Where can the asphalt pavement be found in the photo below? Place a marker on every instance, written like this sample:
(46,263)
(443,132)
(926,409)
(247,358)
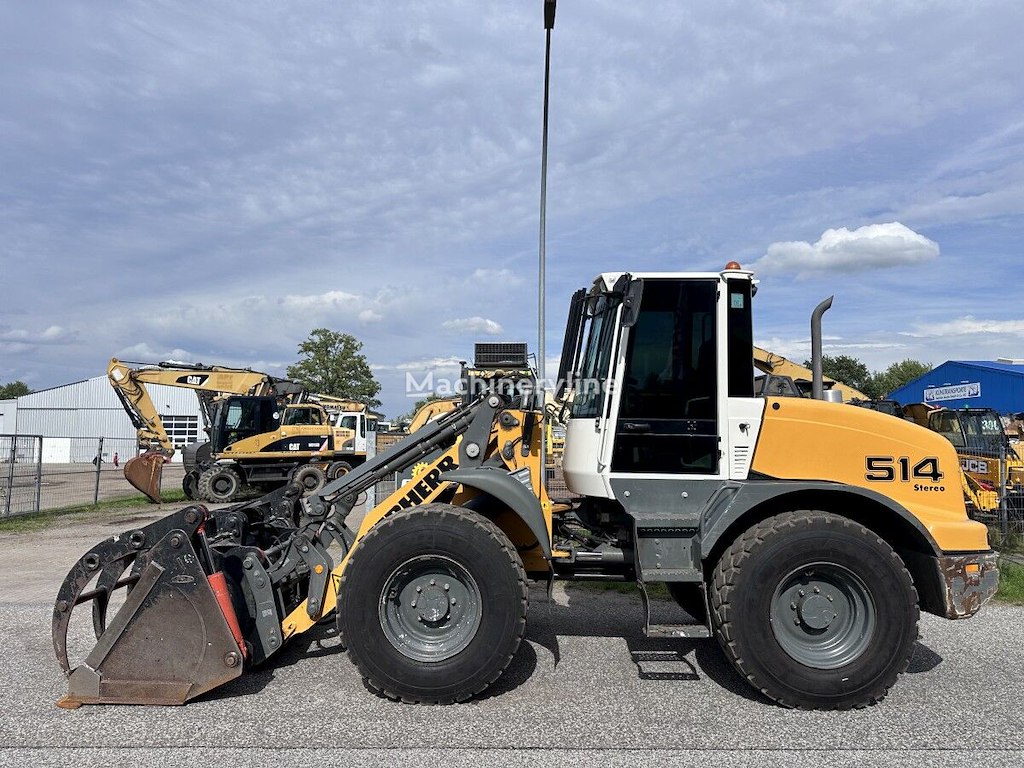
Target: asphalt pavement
(585,688)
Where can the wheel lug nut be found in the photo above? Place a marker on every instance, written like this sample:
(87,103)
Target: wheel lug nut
(796,621)
(792,606)
(419,589)
(413,603)
(453,601)
(817,591)
(447,587)
(432,582)
(829,598)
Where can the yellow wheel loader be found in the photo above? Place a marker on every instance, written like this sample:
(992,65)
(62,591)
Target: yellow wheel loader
(264,431)
(804,536)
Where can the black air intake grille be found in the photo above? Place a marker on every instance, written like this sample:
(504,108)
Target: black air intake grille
(500,355)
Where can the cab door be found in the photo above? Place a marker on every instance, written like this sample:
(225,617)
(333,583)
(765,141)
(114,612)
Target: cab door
(668,415)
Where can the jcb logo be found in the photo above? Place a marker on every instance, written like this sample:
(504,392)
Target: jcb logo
(979,466)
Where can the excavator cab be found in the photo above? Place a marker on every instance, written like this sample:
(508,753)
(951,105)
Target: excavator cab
(241,417)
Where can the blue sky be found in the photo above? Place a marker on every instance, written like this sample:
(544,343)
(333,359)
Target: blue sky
(210,182)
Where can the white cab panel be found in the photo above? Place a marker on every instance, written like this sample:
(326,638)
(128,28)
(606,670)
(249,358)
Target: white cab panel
(745,415)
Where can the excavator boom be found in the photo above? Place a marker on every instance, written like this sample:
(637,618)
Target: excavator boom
(129,381)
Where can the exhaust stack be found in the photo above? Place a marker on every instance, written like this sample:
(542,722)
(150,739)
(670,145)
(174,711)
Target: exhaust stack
(817,385)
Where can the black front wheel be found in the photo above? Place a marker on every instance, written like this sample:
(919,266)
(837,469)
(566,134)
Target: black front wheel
(190,484)
(815,611)
(432,604)
(219,484)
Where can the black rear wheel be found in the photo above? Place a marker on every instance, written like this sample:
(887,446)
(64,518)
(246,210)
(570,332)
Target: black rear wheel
(689,597)
(815,611)
(432,604)
(310,477)
(337,469)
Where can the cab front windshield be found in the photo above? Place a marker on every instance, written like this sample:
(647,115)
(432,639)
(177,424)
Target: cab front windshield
(591,380)
(983,431)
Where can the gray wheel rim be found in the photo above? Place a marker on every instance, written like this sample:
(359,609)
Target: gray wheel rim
(430,608)
(310,481)
(222,484)
(823,615)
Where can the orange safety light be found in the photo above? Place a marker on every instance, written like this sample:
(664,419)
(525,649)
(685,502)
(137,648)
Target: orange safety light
(732,265)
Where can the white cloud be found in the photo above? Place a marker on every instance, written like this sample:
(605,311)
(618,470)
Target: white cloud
(144,353)
(54,334)
(426,364)
(369,316)
(841,250)
(492,276)
(475,324)
(968,326)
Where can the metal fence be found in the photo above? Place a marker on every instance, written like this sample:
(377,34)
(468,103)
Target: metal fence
(44,473)
(996,477)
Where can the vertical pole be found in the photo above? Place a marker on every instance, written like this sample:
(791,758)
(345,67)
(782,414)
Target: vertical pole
(10,475)
(39,471)
(1004,518)
(549,24)
(99,463)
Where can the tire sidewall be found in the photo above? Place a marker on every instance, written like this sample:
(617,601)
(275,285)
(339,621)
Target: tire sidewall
(379,554)
(309,470)
(206,482)
(886,583)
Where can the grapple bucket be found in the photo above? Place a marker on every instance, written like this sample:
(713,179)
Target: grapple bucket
(144,472)
(173,638)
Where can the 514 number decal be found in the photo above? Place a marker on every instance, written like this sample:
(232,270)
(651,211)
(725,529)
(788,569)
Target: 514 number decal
(884,469)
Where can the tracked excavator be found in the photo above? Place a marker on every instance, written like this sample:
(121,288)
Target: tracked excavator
(264,430)
(804,536)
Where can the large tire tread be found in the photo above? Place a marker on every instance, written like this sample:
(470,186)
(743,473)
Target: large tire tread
(735,559)
(384,529)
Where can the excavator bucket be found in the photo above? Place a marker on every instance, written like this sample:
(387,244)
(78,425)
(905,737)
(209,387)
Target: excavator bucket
(144,472)
(174,637)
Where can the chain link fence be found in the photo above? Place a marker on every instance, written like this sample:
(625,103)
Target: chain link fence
(46,473)
(996,483)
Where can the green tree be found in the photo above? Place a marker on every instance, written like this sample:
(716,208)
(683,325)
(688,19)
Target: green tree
(845,370)
(14,389)
(896,375)
(332,364)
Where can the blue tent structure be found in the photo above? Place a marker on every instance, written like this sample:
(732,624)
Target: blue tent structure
(968,383)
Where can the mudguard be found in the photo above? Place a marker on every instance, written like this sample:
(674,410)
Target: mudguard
(509,491)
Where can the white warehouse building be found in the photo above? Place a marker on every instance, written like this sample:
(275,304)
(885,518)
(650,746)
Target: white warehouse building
(76,414)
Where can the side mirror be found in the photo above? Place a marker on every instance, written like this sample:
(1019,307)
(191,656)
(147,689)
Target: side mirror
(631,303)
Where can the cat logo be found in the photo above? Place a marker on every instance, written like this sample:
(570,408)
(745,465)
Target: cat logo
(193,379)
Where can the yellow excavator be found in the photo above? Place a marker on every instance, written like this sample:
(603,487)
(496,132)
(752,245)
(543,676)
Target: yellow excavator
(805,536)
(264,430)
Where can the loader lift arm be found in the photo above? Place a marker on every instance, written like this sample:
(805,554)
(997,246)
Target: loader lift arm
(273,549)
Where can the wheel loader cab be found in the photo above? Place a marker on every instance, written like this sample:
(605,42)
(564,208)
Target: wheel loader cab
(663,383)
